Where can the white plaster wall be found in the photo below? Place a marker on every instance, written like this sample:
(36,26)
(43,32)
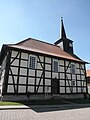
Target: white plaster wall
(24,63)
(48,74)
(40,89)
(68,76)
(78,77)
(31,72)
(39,66)
(78,83)
(31,88)
(47,82)
(10,89)
(23,71)
(68,89)
(14,53)
(61,62)
(37,81)
(22,80)
(15,62)
(74,77)
(74,89)
(67,63)
(14,70)
(61,69)
(24,56)
(47,67)
(68,83)
(31,81)
(62,76)
(47,60)
(22,89)
(60,45)
(10,79)
(62,82)
(77,71)
(77,65)
(47,90)
(62,89)
(79,89)
(41,58)
(39,73)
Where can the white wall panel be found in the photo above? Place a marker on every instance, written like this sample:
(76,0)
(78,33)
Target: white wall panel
(31,88)
(14,53)
(67,63)
(23,71)
(22,80)
(68,89)
(37,81)
(47,82)
(77,71)
(62,76)
(73,77)
(24,56)
(47,60)
(24,63)
(61,62)
(79,89)
(68,76)
(39,73)
(22,89)
(47,67)
(47,90)
(10,88)
(14,70)
(78,77)
(48,74)
(62,89)
(31,72)
(62,82)
(61,69)
(31,81)
(68,70)
(40,89)
(10,80)
(39,66)
(15,62)
(78,83)
(74,89)
(77,65)
(41,58)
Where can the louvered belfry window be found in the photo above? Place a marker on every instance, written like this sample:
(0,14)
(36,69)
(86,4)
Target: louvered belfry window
(73,69)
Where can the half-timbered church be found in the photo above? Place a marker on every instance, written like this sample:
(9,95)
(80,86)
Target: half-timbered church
(35,69)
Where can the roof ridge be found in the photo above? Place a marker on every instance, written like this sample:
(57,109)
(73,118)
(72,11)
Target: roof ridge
(36,40)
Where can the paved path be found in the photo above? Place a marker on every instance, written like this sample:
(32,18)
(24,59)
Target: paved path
(45,113)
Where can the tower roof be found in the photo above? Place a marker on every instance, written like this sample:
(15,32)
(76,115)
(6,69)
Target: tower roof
(63,33)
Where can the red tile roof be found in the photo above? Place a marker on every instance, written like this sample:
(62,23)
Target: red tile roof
(88,73)
(44,48)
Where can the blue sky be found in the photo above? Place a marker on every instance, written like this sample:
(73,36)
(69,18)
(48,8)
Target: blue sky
(40,19)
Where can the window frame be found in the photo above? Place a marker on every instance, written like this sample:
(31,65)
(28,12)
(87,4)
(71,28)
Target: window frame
(55,60)
(73,66)
(33,56)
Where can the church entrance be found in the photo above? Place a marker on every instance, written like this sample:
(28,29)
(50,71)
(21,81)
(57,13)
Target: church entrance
(55,86)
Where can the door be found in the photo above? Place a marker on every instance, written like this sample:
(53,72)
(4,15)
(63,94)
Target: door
(55,86)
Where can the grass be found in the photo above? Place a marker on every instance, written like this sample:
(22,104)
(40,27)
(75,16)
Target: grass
(9,103)
(46,102)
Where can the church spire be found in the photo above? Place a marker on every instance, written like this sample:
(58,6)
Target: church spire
(63,34)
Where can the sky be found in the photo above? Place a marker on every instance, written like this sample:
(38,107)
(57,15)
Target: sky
(41,19)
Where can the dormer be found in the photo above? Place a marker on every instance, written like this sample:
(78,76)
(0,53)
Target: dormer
(64,43)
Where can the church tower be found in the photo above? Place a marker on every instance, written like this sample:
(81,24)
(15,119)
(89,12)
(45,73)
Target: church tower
(65,43)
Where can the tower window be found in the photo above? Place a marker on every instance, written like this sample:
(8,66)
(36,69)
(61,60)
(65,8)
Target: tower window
(55,65)
(73,69)
(32,62)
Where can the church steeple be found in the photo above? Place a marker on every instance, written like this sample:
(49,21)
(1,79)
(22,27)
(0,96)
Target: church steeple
(64,43)
(63,33)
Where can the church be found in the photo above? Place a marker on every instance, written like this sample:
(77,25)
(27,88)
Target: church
(36,70)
